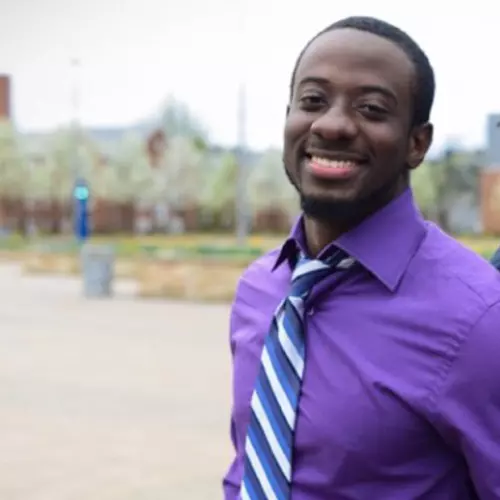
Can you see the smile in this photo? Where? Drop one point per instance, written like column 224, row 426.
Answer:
column 336, row 164
column 331, row 169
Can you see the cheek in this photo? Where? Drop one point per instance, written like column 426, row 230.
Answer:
column 389, row 141
column 296, row 132
column 297, row 126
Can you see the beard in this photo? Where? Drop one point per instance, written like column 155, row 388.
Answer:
column 348, row 211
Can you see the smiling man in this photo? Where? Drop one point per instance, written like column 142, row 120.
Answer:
column 365, row 348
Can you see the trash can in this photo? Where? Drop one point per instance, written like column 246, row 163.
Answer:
column 97, row 264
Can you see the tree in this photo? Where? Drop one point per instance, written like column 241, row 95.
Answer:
column 441, row 185
column 68, row 154
column 178, row 121
column 14, row 176
column 183, row 166
column 13, row 164
column 269, row 189
column 219, row 196
column 424, row 188
column 127, row 177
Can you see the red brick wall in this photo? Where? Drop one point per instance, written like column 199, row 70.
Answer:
column 5, row 111
column 272, row 220
column 490, row 201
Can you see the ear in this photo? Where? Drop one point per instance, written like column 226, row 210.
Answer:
column 420, row 142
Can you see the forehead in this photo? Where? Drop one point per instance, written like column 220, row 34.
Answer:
column 349, row 56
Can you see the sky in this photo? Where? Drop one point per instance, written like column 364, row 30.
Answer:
column 134, row 54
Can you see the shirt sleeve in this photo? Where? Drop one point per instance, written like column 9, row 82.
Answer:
column 467, row 408
column 231, row 481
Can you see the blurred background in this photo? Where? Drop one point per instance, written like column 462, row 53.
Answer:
column 140, row 158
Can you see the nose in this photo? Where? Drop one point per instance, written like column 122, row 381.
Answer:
column 337, row 123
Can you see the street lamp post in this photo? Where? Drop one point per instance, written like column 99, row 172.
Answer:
column 75, row 120
column 80, row 194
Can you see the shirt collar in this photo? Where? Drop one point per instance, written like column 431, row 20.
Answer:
column 292, row 245
column 384, row 243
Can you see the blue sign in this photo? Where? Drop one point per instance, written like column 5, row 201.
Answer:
column 81, row 195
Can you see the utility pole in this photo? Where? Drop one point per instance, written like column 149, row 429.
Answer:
column 241, row 188
column 242, row 218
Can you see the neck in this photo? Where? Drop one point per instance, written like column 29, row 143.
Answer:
column 321, row 228
column 319, row 234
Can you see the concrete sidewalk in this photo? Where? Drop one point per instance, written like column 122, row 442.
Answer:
column 110, row 400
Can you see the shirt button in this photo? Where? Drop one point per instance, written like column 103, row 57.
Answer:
column 310, row 312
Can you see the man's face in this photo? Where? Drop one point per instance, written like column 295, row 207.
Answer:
column 348, row 135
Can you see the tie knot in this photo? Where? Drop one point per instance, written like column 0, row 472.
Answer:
column 308, row 272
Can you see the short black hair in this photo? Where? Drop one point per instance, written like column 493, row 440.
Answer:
column 425, row 83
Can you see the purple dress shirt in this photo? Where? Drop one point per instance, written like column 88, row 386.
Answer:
column 401, row 391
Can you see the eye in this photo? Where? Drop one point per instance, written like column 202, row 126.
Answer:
column 311, row 102
column 373, row 111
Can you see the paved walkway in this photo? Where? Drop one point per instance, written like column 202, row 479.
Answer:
column 110, row 400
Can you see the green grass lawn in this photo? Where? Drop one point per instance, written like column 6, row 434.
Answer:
column 189, row 245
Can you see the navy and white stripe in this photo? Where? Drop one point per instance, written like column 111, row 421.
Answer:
column 495, row 260
column 269, row 442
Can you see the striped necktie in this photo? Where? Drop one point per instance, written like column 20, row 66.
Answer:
column 496, row 259
column 269, row 441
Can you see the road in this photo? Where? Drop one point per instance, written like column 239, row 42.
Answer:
column 110, row 399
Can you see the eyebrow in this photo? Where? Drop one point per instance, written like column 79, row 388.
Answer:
column 365, row 89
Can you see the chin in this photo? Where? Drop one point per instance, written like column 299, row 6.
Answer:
column 329, row 209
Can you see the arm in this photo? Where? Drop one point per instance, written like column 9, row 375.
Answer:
column 252, row 306
column 467, row 407
column 231, row 481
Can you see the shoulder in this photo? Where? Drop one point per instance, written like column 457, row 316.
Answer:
column 260, row 287
column 470, row 383
column 458, row 271
column 450, row 288
column 254, row 277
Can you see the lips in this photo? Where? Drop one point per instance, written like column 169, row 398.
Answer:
column 340, row 167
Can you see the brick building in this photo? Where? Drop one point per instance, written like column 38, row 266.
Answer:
column 5, row 97
column 490, row 200
column 490, row 178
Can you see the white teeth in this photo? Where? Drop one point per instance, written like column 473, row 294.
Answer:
column 325, row 162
